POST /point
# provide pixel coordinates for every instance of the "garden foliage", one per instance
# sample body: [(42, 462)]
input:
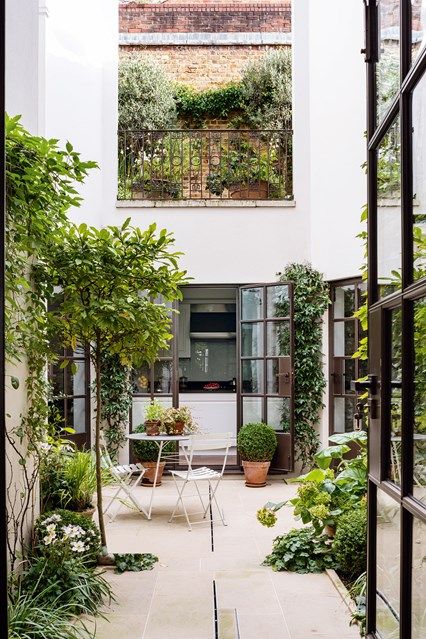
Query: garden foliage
[(256, 442), (301, 550), (350, 542)]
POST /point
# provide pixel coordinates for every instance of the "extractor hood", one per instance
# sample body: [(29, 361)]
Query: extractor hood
[(213, 321)]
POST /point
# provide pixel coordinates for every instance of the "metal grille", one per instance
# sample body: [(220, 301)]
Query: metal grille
[(205, 165)]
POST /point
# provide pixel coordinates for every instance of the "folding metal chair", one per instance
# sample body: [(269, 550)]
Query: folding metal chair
[(196, 443), (122, 474)]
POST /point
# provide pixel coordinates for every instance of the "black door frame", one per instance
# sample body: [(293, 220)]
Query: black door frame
[(379, 342)]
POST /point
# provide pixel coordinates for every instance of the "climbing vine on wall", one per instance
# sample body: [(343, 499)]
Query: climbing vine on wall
[(116, 395), (311, 299)]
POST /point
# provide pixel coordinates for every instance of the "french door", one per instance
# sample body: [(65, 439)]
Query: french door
[(396, 65), (266, 379)]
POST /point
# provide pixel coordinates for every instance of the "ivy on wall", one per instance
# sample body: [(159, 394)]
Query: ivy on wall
[(311, 300), (116, 397)]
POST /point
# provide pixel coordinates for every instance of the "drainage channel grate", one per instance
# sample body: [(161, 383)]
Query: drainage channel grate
[(225, 620)]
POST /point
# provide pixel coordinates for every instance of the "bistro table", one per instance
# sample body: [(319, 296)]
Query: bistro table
[(160, 440)]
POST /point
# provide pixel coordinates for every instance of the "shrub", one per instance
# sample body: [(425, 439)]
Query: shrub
[(257, 442), (147, 451), (196, 106), (145, 96), (301, 550), (266, 89), (65, 533), (350, 542)]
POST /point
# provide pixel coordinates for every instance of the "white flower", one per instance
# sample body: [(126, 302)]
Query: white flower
[(52, 518), (78, 546), (45, 446), (72, 531), (48, 539), (51, 529)]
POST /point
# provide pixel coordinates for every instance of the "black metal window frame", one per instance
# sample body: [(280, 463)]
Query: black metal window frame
[(410, 509), (356, 282)]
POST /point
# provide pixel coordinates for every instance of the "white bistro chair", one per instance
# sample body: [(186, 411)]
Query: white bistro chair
[(218, 443), (122, 476)]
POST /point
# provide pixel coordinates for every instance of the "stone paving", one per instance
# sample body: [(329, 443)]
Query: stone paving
[(177, 598)]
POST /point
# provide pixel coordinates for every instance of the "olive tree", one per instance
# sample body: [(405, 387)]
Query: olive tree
[(110, 281)]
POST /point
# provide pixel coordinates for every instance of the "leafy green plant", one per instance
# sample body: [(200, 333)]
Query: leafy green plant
[(266, 89), (194, 107), (358, 592), (146, 450), (101, 274), (350, 542), (63, 533), (145, 96), (154, 411), (30, 617), (311, 299), (116, 397), (301, 550), (257, 442), (67, 581), (134, 562), (182, 414)]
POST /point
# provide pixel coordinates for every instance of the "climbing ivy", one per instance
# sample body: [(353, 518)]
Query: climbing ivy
[(196, 106), (311, 299), (116, 397)]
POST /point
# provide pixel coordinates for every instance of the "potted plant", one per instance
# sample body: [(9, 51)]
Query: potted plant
[(256, 445), (154, 413), (177, 421), (146, 452)]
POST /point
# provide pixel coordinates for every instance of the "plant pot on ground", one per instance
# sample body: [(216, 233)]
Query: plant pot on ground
[(146, 452), (256, 445)]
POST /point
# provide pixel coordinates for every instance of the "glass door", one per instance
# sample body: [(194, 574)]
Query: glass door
[(266, 379), (396, 73)]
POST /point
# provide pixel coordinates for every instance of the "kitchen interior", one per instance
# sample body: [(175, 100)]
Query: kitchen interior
[(207, 346)]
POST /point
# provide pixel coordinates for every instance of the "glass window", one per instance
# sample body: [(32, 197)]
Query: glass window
[(252, 339), (419, 580), (419, 178), (388, 558), (419, 471), (279, 413), (344, 301), (389, 211), (278, 338), (396, 397), (418, 32), (70, 389), (278, 301), (388, 72), (252, 410), (344, 409), (252, 303), (252, 371)]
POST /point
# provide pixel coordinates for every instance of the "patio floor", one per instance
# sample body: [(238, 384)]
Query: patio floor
[(219, 563)]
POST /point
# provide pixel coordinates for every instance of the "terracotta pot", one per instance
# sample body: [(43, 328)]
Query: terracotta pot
[(256, 191), (149, 475), (89, 512), (330, 531), (152, 428), (177, 428), (256, 473)]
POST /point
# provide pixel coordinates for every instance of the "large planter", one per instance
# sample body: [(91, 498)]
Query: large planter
[(256, 191), (256, 473), (149, 475)]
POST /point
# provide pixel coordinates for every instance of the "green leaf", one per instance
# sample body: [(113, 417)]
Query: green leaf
[(15, 382)]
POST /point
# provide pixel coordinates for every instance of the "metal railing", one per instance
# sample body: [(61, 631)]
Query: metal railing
[(205, 165)]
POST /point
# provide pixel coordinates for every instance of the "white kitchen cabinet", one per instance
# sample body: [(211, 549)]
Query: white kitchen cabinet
[(184, 341)]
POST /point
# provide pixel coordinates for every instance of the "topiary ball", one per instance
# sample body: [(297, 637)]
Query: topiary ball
[(257, 442), (146, 450), (350, 542), (64, 530)]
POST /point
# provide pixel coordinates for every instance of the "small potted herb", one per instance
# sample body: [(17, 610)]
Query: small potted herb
[(177, 421), (153, 415), (256, 445), (146, 452)]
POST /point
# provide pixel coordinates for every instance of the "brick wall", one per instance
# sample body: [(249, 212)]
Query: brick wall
[(206, 18), (201, 67)]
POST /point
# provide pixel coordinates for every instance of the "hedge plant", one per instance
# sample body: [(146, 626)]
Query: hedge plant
[(350, 542), (196, 106), (257, 442), (311, 300)]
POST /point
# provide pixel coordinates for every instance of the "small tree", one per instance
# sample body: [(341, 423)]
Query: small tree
[(110, 281)]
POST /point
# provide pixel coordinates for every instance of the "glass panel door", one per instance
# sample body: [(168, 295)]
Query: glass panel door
[(266, 363)]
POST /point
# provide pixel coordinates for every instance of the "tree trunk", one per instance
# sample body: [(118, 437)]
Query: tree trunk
[(98, 446)]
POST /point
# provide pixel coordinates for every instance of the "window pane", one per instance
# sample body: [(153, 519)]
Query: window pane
[(418, 18), (272, 383), (252, 410), (389, 211), (278, 338), (349, 375), (344, 409), (141, 378), (76, 414), (278, 301), (163, 376), (419, 177), (76, 384), (388, 553), (344, 301), (396, 397), (279, 413), (252, 340), (252, 303), (419, 579), (252, 376), (419, 488), (388, 65)]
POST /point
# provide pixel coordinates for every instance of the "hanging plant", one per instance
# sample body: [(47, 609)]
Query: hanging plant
[(311, 299), (116, 395)]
